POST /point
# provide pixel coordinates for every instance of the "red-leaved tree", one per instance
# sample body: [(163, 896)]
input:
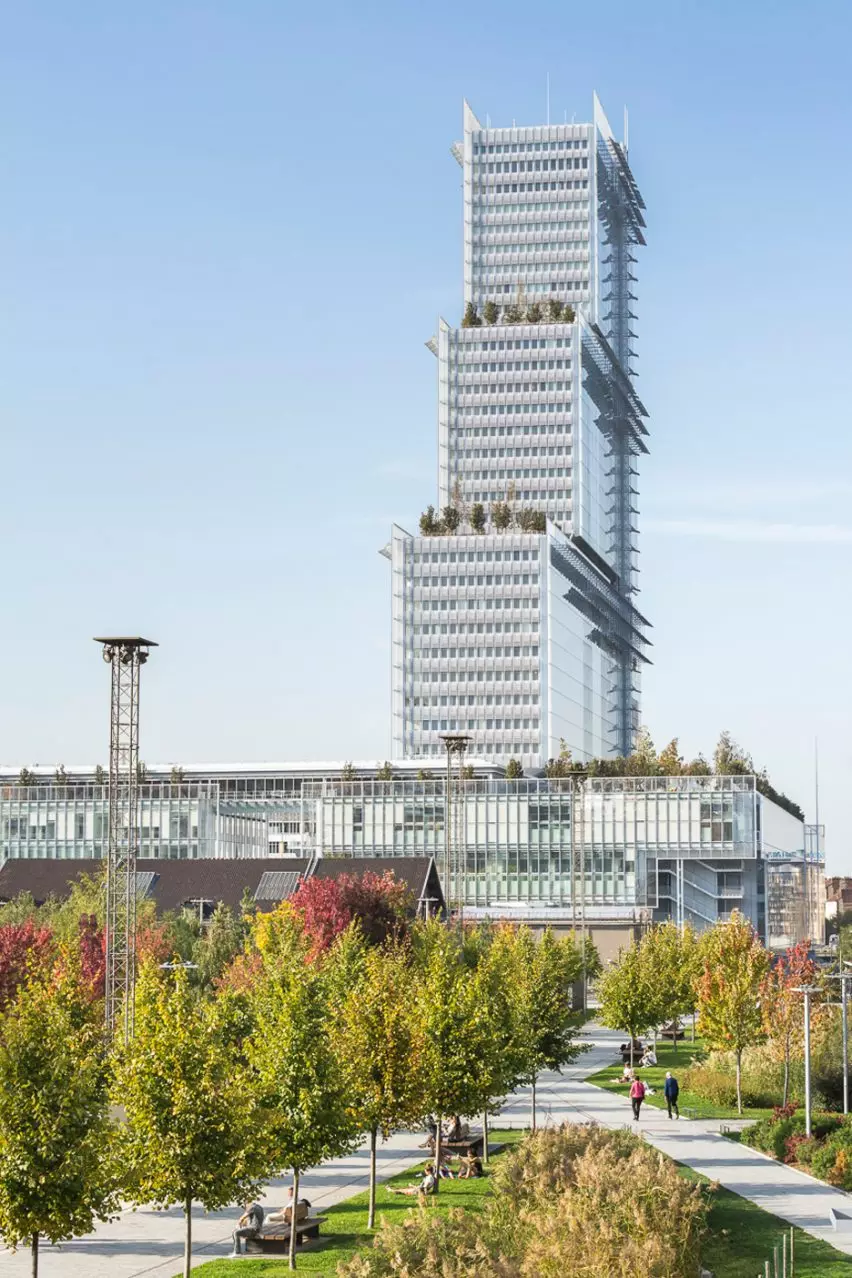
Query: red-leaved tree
[(25, 950), (381, 903), (91, 940), (783, 1008)]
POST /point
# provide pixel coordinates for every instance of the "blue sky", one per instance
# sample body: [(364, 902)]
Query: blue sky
[(228, 230)]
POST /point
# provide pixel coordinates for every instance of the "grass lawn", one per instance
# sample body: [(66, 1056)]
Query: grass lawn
[(742, 1237), (345, 1231), (654, 1076)]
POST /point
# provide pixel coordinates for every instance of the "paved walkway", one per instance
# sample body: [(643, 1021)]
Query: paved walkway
[(150, 1243)]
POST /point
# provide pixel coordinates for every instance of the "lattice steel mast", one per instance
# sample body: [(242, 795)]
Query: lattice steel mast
[(126, 656), (455, 853)]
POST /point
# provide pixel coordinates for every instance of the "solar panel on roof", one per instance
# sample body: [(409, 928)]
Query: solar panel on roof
[(145, 880), (277, 885)]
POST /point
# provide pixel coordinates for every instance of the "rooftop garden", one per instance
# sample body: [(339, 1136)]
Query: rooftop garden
[(501, 516), (553, 311), (729, 759)]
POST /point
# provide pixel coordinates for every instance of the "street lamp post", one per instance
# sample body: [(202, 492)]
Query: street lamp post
[(843, 977), (807, 990)]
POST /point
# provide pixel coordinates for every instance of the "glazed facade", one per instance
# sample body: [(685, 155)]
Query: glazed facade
[(540, 414)]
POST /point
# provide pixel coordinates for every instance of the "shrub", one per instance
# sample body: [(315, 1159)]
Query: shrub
[(542, 1165), (428, 1243), (832, 1161), (634, 1216)]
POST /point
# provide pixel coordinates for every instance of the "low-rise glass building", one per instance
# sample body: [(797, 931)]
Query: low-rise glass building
[(608, 853)]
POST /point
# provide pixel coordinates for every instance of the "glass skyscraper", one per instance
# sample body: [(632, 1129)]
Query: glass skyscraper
[(514, 616)]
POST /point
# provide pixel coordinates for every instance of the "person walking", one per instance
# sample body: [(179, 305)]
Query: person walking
[(637, 1095), (672, 1090)]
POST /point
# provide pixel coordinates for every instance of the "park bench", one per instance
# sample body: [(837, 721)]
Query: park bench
[(638, 1049), (673, 1030), (276, 1238), (470, 1144)]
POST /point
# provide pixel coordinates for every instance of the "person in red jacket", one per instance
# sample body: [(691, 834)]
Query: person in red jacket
[(637, 1095)]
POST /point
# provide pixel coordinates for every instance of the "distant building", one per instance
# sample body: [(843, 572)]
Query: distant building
[(611, 853), (521, 627)]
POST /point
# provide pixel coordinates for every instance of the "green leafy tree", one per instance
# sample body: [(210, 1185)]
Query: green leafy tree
[(698, 767), (219, 944), (380, 1044), (298, 1074), (425, 774), (451, 519), (26, 778), (348, 772), (534, 313), (446, 1012), (554, 310), (428, 522), (477, 517), (568, 314), (736, 965), (729, 759), (501, 515), (628, 1000), (490, 313), (500, 1053), (544, 974), (100, 777), (514, 770), (672, 965), (643, 761), (192, 1123), (176, 776), (385, 772), (513, 314), (56, 1175), (60, 776), (471, 318)]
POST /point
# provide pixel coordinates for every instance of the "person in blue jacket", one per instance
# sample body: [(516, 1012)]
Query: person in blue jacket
[(672, 1089)]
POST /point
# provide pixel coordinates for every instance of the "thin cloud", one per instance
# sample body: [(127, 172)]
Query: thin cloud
[(749, 530)]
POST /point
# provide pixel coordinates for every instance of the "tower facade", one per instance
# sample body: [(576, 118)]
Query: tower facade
[(514, 611)]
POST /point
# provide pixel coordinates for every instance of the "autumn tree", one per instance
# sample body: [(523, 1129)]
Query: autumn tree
[(26, 950), (381, 903), (736, 965), (298, 1076), (628, 999), (380, 1044), (192, 1116), (782, 1008), (669, 761), (55, 1170)]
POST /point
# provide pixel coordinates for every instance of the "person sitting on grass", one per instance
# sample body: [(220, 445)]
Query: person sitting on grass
[(427, 1185), (470, 1166)]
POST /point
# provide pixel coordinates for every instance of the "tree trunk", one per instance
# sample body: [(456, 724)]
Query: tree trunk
[(485, 1138), (631, 1049), (438, 1153), (739, 1081), (292, 1257), (693, 1027), (34, 1253), (532, 1105), (371, 1210), (786, 1070), (187, 1247)]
